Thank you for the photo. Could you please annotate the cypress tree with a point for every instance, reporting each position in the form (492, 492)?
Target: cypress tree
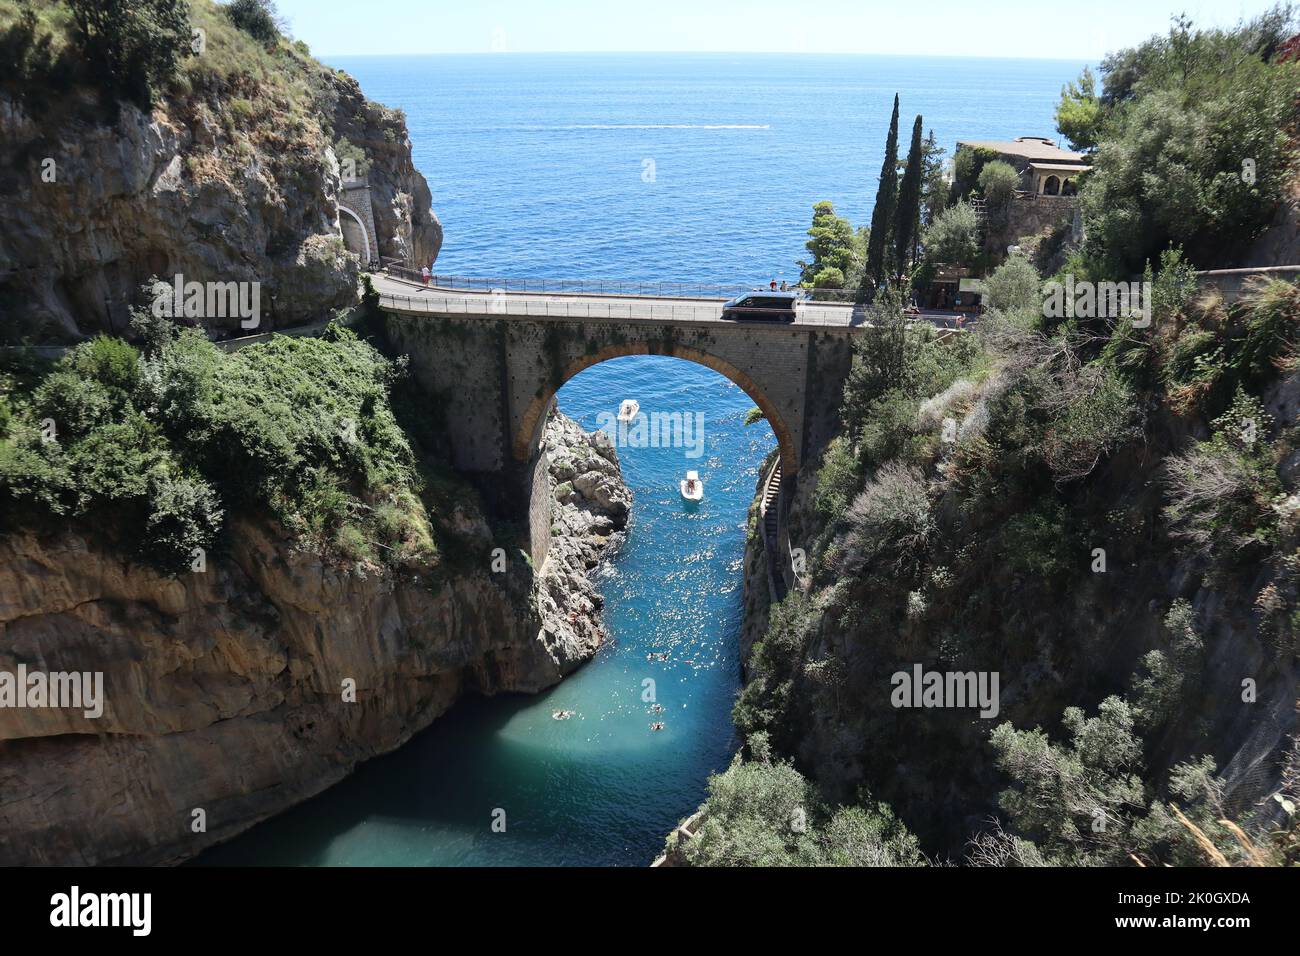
(908, 219)
(880, 243)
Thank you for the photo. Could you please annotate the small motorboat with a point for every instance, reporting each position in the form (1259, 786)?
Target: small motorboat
(692, 487)
(562, 714)
(628, 410)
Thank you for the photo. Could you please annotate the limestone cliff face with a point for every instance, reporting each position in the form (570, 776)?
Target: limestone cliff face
(92, 207)
(224, 690)
(405, 223)
(591, 505)
(1083, 646)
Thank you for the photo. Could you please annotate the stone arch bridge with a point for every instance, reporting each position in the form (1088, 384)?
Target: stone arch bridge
(496, 360)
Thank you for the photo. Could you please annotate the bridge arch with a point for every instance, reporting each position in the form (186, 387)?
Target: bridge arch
(528, 438)
(364, 251)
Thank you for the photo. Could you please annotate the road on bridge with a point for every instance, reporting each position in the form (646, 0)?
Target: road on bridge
(407, 296)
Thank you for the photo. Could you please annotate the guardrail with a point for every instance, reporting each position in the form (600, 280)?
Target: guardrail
(638, 288)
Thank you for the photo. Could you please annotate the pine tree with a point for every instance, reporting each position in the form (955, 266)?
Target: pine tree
(880, 245)
(908, 218)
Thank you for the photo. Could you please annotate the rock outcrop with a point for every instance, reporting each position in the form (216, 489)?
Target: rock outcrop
(591, 505)
(228, 691)
(213, 185)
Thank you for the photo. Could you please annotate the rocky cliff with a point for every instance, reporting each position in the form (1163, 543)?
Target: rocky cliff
(227, 692)
(233, 176)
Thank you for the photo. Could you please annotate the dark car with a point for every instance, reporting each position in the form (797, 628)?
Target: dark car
(762, 306)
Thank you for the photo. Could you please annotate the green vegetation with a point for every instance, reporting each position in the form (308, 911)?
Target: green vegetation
(1078, 115)
(837, 252)
(882, 213)
(907, 221)
(1085, 803)
(953, 238)
(1014, 288)
(257, 18)
(967, 165)
(131, 47)
(1034, 501)
(760, 814)
(252, 87)
(998, 182)
(1194, 134)
(162, 444)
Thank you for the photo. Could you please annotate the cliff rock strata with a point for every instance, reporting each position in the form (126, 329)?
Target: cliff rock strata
(224, 690)
(93, 208)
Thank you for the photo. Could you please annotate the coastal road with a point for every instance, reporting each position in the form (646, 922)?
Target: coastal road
(407, 296)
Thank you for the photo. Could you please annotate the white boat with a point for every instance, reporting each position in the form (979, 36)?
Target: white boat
(692, 487)
(628, 410)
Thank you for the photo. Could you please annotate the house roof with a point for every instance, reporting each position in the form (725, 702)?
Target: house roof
(1034, 148)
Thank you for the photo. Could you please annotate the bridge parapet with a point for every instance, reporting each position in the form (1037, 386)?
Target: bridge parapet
(652, 309)
(636, 288)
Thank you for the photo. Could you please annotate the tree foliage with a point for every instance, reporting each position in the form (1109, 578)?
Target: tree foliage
(132, 46)
(880, 241)
(908, 218)
(257, 18)
(835, 250)
(1194, 146)
(953, 238)
(1079, 112)
(760, 814)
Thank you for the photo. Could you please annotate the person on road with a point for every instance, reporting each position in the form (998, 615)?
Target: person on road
(424, 273)
(773, 285)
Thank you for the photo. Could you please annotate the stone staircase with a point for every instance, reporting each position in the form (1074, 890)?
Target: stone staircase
(769, 511)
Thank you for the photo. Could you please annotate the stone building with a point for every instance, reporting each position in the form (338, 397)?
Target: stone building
(1045, 169)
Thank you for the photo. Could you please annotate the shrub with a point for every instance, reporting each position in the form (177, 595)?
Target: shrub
(1159, 686)
(1096, 413)
(1271, 312)
(1221, 491)
(27, 60)
(1015, 286)
(1060, 793)
(163, 443)
(111, 362)
(760, 814)
(967, 164)
(132, 46)
(1036, 542)
(76, 405)
(185, 514)
(998, 182)
(257, 18)
(838, 478)
(953, 238)
(1182, 114)
(889, 523)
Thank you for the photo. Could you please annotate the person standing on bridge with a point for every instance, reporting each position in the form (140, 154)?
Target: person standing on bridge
(424, 273)
(773, 285)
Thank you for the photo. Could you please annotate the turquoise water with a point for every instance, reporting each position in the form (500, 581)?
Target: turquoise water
(600, 787)
(538, 168)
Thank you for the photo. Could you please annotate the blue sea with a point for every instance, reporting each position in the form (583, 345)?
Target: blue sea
(700, 168)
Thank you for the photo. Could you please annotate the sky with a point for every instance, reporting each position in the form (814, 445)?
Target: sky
(1084, 30)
